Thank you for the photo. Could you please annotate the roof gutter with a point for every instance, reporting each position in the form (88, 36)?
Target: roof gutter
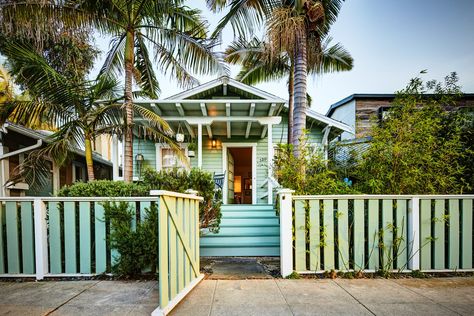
(38, 144)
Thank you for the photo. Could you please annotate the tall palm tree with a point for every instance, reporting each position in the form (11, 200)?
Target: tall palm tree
(297, 26)
(70, 107)
(261, 63)
(175, 33)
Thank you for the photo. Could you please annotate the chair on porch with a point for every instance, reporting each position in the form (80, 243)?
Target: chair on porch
(218, 183)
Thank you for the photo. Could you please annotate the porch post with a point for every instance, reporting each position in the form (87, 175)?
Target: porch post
(286, 232)
(269, 163)
(200, 146)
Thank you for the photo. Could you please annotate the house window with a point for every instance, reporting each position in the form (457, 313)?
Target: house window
(383, 113)
(167, 158)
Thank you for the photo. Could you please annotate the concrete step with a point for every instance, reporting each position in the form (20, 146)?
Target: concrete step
(254, 221)
(225, 251)
(242, 241)
(247, 230)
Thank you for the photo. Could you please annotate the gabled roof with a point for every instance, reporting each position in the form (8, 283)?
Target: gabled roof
(44, 135)
(225, 80)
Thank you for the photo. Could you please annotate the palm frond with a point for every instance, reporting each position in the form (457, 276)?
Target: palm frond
(145, 78)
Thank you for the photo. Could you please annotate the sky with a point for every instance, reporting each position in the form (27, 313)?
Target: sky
(390, 41)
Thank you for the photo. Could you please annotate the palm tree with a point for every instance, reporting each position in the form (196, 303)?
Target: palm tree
(296, 26)
(260, 63)
(70, 107)
(176, 34)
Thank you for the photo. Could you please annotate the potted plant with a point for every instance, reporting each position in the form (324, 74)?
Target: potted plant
(192, 149)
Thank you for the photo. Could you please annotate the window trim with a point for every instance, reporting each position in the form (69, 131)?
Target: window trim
(159, 158)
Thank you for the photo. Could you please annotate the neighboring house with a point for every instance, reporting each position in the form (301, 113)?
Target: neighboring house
(358, 110)
(17, 141)
(231, 124)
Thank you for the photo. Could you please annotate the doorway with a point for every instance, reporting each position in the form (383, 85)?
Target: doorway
(239, 163)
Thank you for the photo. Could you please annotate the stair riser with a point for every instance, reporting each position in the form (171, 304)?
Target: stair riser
(247, 241)
(249, 221)
(249, 230)
(248, 214)
(242, 207)
(250, 251)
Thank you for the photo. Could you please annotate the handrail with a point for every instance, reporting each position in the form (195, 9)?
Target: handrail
(176, 194)
(381, 196)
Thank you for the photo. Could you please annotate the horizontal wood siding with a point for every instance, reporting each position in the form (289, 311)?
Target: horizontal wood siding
(148, 150)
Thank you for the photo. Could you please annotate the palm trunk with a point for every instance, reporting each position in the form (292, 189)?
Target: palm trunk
(301, 102)
(291, 93)
(89, 160)
(128, 133)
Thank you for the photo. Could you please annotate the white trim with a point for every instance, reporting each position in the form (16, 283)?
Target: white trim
(269, 162)
(159, 311)
(225, 80)
(199, 146)
(225, 146)
(208, 120)
(213, 101)
(329, 121)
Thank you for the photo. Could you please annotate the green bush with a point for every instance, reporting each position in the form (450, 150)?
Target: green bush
(104, 188)
(308, 173)
(137, 247)
(179, 180)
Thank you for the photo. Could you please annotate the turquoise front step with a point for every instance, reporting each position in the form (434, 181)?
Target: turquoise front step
(245, 230)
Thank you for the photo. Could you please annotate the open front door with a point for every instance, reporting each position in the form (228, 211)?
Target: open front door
(230, 177)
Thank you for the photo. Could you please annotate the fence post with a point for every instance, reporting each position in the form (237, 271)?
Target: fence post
(413, 232)
(41, 239)
(286, 232)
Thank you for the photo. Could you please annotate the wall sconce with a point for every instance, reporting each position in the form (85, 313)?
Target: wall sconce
(214, 143)
(139, 158)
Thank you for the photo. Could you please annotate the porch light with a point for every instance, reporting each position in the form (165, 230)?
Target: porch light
(139, 158)
(214, 143)
(180, 137)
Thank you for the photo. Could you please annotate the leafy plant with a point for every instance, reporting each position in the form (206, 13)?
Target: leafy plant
(104, 188)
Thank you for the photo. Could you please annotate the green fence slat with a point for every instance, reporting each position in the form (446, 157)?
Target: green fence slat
(54, 238)
(328, 217)
(172, 237)
(70, 246)
(467, 233)
(300, 236)
(387, 226)
(100, 242)
(144, 206)
(343, 234)
(373, 234)
(163, 253)
(401, 253)
(2, 258)
(314, 241)
(181, 254)
(454, 230)
(27, 238)
(196, 235)
(187, 223)
(13, 249)
(425, 234)
(438, 234)
(358, 235)
(85, 237)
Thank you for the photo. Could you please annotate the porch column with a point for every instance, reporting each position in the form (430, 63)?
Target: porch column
(200, 146)
(4, 172)
(115, 162)
(269, 163)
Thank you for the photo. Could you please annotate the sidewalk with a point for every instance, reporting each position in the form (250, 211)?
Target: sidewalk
(444, 296)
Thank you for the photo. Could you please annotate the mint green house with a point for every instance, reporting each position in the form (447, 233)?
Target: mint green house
(235, 129)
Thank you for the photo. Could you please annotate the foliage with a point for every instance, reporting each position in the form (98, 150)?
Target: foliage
(103, 188)
(179, 180)
(137, 246)
(418, 148)
(316, 177)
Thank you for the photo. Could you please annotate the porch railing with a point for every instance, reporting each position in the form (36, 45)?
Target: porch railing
(375, 233)
(64, 237)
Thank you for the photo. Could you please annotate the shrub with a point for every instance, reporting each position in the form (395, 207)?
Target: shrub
(104, 188)
(308, 173)
(179, 180)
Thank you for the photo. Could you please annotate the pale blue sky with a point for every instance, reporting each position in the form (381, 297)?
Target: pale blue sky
(390, 41)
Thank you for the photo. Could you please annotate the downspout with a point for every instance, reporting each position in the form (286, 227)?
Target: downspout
(326, 130)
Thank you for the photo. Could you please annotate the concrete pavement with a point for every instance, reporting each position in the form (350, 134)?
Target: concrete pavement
(444, 296)
(437, 296)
